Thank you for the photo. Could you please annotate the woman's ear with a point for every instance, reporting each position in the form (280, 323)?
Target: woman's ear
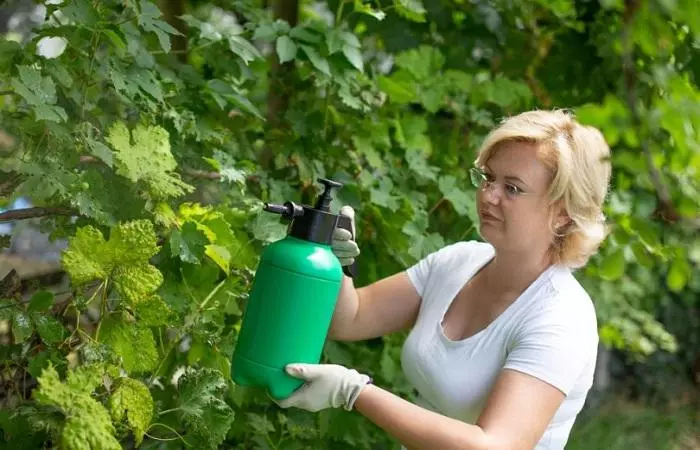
(560, 217)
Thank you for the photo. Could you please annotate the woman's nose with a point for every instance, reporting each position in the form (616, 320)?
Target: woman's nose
(492, 193)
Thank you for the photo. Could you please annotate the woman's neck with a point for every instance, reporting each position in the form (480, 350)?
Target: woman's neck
(515, 271)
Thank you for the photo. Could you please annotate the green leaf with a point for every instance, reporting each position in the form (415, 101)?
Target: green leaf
(153, 311)
(464, 202)
(188, 243)
(136, 282)
(40, 93)
(612, 267)
(21, 327)
(354, 56)
(410, 9)
(241, 47)
(143, 156)
(422, 246)
(286, 49)
(50, 330)
(132, 342)
(679, 274)
(201, 406)
(148, 19)
(399, 90)
(124, 258)
(86, 259)
(220, 255)
(424, 62)
(41, 301)
(133, 400)
(363, 8)
(316, 59)
(87, 423)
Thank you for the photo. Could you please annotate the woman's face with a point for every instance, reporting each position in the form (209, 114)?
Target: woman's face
(512, 202)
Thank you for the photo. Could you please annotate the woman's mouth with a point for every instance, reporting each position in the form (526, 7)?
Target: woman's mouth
(485, 215)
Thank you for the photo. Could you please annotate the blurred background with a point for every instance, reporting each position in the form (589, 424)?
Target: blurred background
(257, 99)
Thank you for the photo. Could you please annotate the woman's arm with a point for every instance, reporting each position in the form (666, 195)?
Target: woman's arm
(516, 415)
(385, 306)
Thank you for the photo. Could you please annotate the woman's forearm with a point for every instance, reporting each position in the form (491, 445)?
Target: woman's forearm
(415, 427)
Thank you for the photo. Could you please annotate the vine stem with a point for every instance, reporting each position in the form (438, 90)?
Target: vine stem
(179, 436)
(183, 331)
(103, 310)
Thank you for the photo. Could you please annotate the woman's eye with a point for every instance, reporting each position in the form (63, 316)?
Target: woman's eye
(512, 189)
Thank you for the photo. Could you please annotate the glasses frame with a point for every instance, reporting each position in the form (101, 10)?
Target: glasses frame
(479, 180)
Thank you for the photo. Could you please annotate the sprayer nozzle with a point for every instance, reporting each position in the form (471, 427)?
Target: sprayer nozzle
(288, 210)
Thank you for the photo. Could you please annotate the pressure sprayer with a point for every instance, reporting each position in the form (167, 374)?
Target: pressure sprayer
(292, 299)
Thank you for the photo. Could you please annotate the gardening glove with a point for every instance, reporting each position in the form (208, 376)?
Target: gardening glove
(343, 244)
(326, 386)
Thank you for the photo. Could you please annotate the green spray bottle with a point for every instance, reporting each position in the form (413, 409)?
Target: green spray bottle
(292, 298)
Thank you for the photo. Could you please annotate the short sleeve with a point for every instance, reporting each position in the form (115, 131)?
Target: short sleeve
(555, 345)
(419, 273)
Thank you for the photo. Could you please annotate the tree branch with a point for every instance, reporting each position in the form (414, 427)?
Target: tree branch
(32, 213)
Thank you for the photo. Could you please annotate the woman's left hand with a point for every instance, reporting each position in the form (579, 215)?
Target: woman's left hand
(326, 386)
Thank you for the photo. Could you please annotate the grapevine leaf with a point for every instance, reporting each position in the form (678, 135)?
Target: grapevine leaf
(133, 342)
(153, 311)
(462, 201)
(424, 245)
(188, 243)
(124, 257)
(133, 399)
(143, 155)
(136, 282)
(87, 423)
(133, 242)
(220, 255)
(85, 258)
(201, 405)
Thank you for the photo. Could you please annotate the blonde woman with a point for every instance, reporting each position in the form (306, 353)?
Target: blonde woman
(503, 339)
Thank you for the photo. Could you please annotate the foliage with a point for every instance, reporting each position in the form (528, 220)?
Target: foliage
(164, 154)
(620, 425)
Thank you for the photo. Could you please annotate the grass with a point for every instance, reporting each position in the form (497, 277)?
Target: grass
(621, 425)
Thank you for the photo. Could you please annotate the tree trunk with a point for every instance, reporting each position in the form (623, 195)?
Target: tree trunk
(280, 77)
(171, 9)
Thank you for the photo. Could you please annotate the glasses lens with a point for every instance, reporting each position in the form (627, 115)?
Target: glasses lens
(476, 176)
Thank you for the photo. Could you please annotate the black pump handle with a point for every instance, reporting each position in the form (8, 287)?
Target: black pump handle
(345, 223)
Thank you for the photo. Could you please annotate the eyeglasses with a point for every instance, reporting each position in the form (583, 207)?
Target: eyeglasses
(482, 180)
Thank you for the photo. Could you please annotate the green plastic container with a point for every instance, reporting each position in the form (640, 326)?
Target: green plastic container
(292, 300)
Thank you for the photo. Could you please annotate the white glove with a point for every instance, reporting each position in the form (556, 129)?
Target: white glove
(327, 386)
(342, 244)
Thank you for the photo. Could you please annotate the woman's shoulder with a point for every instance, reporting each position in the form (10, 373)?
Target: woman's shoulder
(466, 250)
(566, 300)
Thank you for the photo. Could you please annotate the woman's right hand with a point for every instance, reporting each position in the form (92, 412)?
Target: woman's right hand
(343, 242)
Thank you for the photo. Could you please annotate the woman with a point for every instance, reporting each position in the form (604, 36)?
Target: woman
(503, 340)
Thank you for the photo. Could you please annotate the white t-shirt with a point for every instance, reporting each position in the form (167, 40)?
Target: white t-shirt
(550, 331)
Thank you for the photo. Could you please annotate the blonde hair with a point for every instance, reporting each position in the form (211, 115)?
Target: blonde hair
(579, 160)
